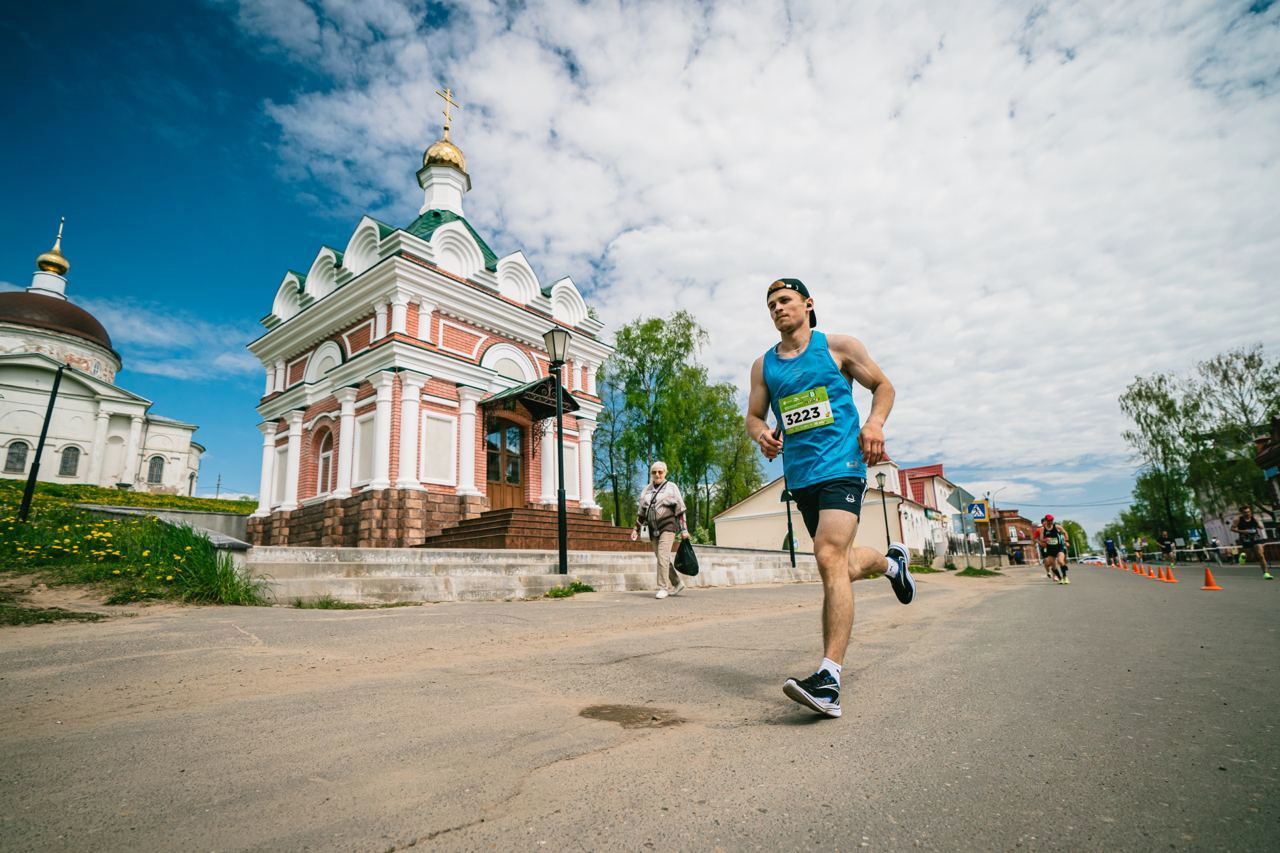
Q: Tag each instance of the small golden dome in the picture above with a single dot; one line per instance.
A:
(53, 260)
(445, 153)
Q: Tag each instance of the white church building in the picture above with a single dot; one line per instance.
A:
(99, 434)
(408, 386)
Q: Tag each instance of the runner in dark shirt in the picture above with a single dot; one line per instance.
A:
(1167, 547)
(1252, 537)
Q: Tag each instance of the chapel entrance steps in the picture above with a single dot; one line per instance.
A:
(384, 575)
(524, 528)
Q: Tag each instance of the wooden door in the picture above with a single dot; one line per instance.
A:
(504, 465)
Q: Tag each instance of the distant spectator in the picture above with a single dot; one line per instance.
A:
(661, 509)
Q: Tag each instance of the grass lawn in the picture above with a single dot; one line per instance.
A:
(132, 558)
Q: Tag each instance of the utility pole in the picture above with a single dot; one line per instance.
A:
(217, 488)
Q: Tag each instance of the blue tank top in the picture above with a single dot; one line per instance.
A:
(813, 402)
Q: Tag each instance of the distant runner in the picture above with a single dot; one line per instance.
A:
(1053, 549)
(1252, 537)
(805, 380)
(1113, 552)
(1167, 547)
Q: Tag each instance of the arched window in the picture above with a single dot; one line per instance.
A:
(70, 462)
(155, 470)
(324, 466)
(15, 461)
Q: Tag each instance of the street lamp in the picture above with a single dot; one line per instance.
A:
(884, 507)
(557, 341)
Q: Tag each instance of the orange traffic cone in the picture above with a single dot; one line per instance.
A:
(1160, 575)
(1150, 573)
(1209, 582)
(1172, 579)
(1137, 568)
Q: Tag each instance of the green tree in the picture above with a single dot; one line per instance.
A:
(1075, 533)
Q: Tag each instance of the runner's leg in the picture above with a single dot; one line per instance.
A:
(836, 529)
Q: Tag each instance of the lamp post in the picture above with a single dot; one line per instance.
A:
(25, 507)
(557, 341)
(884, 507)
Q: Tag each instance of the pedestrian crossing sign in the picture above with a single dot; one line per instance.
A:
(978, 510)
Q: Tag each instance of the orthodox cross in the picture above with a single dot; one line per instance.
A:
(447, 95)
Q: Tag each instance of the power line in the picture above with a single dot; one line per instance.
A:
(1108, 502)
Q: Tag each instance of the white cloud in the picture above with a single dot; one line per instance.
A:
(1017, 212)
(163, 342)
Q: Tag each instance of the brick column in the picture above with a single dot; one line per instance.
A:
(293, 461)
(468, 398)
(346, 398)
(586, 465)
(410, 436)
(267, 481)
(399, 314)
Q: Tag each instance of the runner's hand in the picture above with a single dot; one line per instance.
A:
(871, 440)
(770, 444)
(684, 534)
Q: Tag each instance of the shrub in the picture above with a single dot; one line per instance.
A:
(572, 589)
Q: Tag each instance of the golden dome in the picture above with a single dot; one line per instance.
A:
(53, 260)
(445, 153)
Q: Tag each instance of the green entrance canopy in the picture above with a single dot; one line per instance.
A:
(538, 396)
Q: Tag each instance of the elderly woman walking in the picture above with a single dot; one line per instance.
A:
(661, 508)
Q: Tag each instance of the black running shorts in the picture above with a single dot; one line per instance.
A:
(843, 493)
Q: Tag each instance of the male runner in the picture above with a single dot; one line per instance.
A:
(1166, 547)
(1252, 535)
(1053, 548)
(806, 380)
(1113, 552)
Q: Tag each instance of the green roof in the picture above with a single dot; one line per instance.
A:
(426, 224)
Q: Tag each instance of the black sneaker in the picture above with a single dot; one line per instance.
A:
(903, 585)
(820, 691)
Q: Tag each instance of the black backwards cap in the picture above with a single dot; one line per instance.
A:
(798, 286)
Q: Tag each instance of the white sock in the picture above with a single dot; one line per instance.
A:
(832, 667)
(890, 568)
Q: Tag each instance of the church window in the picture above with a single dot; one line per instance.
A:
(70, 462)
(155, 470)
(324, 468)
(15, 461)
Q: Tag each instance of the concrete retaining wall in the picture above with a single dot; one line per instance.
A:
(381, 575)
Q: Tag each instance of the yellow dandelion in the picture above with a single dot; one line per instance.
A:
(168, 577)
(115, 571)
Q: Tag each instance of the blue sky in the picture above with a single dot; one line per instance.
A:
(1017, 208)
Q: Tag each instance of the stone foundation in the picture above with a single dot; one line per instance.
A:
(387, 518)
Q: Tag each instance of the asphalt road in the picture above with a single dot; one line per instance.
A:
(1117, 713)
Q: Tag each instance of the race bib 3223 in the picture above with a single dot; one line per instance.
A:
(806, 410)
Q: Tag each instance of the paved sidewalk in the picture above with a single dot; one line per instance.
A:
(1115, 713)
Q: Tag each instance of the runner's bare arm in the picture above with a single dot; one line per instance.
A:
(758, 410)
(858, 365)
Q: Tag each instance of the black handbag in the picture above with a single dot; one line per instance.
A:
(686, 561)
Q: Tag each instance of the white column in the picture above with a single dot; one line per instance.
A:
(591, 379)
(379, 320)
(586, 465)
(384, 383)
(346, 440)
(548, 454)
(99, 448)
(410, 400)
(271, 380)
(268, 478)
(280, 375)
(399, 314)
(424, 319)
(467, 440)
(293, 461)
(130, 473)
